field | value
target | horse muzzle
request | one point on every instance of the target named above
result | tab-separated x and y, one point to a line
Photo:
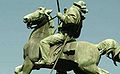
25	20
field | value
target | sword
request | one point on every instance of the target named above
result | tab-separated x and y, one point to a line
58	5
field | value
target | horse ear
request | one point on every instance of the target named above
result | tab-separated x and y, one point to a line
48	11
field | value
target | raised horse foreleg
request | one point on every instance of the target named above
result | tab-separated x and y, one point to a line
28	65
18	69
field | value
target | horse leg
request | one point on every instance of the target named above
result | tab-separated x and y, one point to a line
93	69
77	70
61	72
102	71
28	65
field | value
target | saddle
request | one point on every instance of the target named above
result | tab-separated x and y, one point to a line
68	49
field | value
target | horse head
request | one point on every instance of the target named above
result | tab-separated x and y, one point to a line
40	16
40	21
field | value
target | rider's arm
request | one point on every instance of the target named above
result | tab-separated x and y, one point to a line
71	16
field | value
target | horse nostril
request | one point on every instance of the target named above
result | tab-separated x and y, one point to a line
25	20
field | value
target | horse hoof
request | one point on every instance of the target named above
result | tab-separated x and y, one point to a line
18	69
16	72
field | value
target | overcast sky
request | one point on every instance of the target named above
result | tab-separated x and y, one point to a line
102	22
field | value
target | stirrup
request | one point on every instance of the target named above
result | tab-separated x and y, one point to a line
40	62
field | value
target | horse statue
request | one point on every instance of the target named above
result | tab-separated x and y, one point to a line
80	56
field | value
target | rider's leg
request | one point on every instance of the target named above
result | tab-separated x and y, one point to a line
45	46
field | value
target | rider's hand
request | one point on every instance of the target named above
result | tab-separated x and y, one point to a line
59	14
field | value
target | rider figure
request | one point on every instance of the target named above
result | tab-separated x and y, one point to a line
71	24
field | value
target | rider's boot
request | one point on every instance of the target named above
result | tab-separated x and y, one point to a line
42	62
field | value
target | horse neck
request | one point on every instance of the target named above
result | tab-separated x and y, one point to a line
41	32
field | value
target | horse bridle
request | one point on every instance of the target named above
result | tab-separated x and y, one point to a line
42	21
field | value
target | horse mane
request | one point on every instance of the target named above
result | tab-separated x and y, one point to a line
45	26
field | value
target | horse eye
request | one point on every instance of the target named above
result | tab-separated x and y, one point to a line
40	8
84	4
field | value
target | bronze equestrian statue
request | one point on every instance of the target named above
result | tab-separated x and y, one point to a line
80	56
